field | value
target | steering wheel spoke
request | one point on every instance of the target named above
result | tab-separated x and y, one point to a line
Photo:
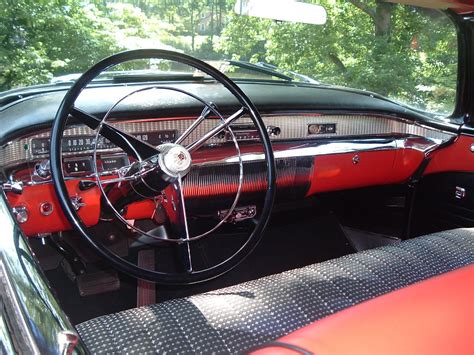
177	217
128	143
204	114
184	257
216	130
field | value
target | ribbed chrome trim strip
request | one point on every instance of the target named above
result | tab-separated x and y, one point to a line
293	176
292	127
317	148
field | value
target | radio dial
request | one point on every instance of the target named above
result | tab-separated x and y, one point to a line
43	169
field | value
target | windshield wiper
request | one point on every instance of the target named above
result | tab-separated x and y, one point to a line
302	77
259	69
272	70
144	77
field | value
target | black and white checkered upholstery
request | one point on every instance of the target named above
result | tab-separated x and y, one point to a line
235	319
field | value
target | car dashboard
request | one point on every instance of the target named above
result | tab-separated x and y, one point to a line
315	151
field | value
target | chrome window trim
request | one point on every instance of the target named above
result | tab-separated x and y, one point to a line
21	332
21	275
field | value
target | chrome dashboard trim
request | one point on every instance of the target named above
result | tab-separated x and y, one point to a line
293	127
317	148
310	149
215	179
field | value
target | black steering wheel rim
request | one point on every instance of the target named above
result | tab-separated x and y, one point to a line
117	262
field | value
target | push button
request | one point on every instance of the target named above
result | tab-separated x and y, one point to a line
46	208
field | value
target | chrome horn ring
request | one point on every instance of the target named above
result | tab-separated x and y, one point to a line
170	162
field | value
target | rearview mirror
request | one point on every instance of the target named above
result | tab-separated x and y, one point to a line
282	10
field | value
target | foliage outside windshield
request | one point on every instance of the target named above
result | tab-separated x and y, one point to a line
405	53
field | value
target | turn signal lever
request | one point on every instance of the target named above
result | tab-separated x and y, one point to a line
15	187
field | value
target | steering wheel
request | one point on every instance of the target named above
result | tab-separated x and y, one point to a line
158	172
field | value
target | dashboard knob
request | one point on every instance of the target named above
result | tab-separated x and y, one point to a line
43	169
273	130
21	213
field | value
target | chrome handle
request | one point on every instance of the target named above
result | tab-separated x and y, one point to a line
15	187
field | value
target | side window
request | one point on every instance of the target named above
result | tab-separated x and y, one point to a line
415	58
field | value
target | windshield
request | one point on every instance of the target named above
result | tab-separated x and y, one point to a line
404	53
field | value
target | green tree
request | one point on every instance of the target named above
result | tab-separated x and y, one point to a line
40	39
244	38
401	52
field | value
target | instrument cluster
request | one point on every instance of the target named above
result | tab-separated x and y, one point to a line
83	143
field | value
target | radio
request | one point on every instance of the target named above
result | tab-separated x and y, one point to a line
247	131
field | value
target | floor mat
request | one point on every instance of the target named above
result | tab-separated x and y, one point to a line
283	247
363	240
80	308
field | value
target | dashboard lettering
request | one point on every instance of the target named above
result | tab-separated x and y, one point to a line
40	146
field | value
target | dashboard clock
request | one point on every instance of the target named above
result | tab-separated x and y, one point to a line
321	128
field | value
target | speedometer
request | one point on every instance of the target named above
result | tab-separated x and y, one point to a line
84	143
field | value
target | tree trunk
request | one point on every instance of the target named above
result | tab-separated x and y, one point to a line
338	63
381	15
383	18
220	16
192	30
212	20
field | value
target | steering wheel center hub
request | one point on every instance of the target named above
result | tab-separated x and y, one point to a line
175	159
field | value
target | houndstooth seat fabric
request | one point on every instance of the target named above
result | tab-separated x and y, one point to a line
235	319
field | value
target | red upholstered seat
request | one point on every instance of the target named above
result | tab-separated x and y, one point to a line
435	316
